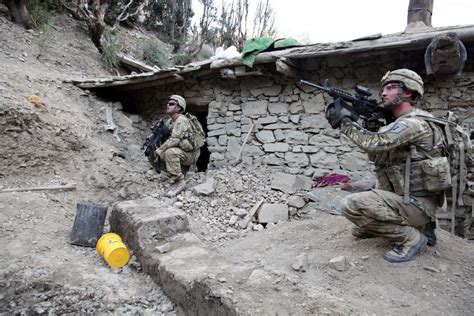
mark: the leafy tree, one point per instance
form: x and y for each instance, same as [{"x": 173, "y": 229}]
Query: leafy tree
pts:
[
  {"x": 202, "y": 33},
  {"x": 125, "y": 11},
  {"x": 228, "y": 25},
  {"x": 93, "y": 13},
  {"x": 172, "y": 20}
]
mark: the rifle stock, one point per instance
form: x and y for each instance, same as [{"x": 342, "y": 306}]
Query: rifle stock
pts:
[{"x": 153, "y": 142}]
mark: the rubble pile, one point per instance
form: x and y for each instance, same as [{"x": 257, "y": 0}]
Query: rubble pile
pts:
[{"x": 232, "y": 192}]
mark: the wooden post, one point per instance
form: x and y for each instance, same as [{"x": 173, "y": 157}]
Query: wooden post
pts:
[
  {"x": 243, "y": 145},
  {"x": 244, "y": 222}
]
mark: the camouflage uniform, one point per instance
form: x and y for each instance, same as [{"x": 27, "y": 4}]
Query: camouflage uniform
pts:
[
  {"x": 177, "y": 150},
  {"x": 383, "y": 211}
]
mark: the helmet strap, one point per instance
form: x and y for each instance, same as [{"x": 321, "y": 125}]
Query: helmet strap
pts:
[{"x": 393, "y": 104}]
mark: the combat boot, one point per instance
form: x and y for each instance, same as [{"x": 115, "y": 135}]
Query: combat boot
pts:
[
  {"x": 361, "y": 233},
  {"x": 164, "y": 177},
  {"x": 176, "y": 189},
  {"x": 408, "y": 249},
  {"x": 429, "y": 232}
]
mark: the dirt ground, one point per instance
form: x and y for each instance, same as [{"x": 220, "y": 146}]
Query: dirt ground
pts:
[{"x": 63, "y": 141}]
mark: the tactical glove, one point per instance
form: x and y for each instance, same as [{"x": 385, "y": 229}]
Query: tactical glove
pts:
[{"x": 338, "y": 113}]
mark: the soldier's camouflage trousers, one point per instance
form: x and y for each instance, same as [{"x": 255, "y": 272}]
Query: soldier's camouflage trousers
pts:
[
  {"x": 174, "y": 159},
  {"x": 384, "y": 214}
]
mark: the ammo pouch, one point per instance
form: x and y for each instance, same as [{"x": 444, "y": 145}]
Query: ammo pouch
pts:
[
  {"x": 436, "y": 174},
  {"x": 426, "y": 176},
  {"x": 185, "y": 145}
]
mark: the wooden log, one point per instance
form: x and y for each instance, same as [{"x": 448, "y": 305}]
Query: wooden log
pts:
[
  {"x": 71, "y": 186},
  {"x": 137, "y": 86},
  {"x": 88, "y": 224},
  {"x": 130, "y": 62},
  {"x": 221, "y": 63},
  {"x": 237, "y": 159},
  {"x": 129, "y": 80},
  {"x": 244, "y": 222},
  {"x": 284, "y": 68}
]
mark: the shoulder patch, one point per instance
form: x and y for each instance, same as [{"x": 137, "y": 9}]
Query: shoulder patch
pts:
[{"x": 398, "y": 128}]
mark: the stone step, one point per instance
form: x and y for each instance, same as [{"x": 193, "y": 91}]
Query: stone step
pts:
[{"x": 198, "y": 280}]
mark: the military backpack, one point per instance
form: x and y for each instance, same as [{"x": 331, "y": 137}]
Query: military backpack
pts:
[
  {"x": 452, "y": 174},
  {"x": 198, "y": 136}
]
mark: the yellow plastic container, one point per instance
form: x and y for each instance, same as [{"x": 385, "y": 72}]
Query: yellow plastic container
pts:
[{"x": 113, "y": 250}]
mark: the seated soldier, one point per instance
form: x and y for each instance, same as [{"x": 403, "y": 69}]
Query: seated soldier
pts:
[{"x": 178, "y": 150}]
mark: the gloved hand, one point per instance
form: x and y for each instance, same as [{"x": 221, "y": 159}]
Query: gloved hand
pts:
[{"x": 337, "y": 114}]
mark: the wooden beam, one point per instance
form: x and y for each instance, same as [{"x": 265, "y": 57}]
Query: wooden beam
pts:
[
  {"x": 220, "y": 63},
  {"x": 136, "y": 86},
  {"x": 71, "y": 186},
  {"x": 237, "y": 159},
  {"x": 244, "y": 222},
  {"x": 284, "y": 68},
  {"x": 131, "y": 62},
  {"x": 108, "y": 83}
]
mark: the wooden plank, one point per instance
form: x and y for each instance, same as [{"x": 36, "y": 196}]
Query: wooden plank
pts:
[
  {"x": 132, "y": 62},
  {"x": 220, "y": 63},
  {"x": 237, "y": 159},
  {"x": 244, "y": 222},
  {"x": 136, "y": 86},
  {"x": 71, "y": 186},
  {"x": 131, "y": 81}
]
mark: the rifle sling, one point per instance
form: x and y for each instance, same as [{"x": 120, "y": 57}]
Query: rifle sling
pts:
[{"x": 406, "y": 192}]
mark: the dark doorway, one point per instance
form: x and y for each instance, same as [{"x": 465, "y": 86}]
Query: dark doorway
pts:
[{"x": 203, "y": 160}]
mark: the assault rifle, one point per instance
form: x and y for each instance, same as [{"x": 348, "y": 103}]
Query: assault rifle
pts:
[
  {"x": 372, "y": 115},
  {"x": 159, "y": 131}
]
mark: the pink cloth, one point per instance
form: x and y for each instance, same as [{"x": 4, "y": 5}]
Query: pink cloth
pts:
[{"x": 331, "y": 179}]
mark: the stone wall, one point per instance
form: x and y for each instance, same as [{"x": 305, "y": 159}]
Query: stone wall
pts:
[{"x": 290, "y": 131}]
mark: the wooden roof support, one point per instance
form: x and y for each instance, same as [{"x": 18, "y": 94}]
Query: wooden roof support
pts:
[
  {"x": 136, "y": 86},
  {"x": 134, "y": 64},
  {"x": 286, "y": 67},
  {"x": 141, "y": 78}
]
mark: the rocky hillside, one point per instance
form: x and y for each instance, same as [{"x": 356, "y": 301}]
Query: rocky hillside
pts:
[{"x": 55, "y": 134}]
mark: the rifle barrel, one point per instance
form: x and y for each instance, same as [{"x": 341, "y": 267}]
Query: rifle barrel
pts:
[{"x": 308, "y": 83}]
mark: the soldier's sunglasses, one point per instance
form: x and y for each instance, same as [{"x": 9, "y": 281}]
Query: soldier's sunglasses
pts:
[{"x": 391, "y": 87}]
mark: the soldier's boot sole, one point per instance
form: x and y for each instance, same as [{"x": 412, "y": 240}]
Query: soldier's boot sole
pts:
[
  {"x": 408, "y": 250},
  {"x": 430, "y": 232}
]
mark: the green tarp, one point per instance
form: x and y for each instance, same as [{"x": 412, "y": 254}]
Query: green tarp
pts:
[{"x": 257, "y": 45}]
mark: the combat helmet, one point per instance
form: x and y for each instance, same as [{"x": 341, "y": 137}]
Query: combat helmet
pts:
[
  {"x": 408, "y": 77},
  {"x": 181, "y": 101}
]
